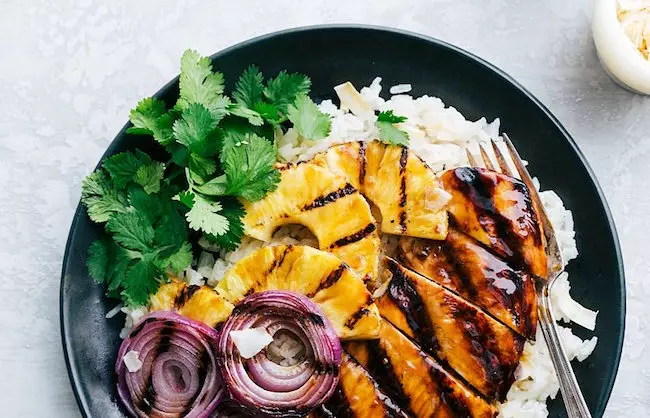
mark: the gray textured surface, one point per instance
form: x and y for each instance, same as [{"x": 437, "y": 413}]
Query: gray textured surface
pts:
[{"x": 70, "y": 71}]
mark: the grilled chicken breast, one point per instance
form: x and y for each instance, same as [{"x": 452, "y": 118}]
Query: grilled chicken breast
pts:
[
  {"x": 480, "y": 349},
  {"x": 319, "y": 275},
  {"x": 497, "y": 210},
  {"x": 406, "y": 191},
  {"x": 358, "y": 396},
  {"x": 201, "y": 303},
  {"x": 327, "y": 204},
  {"x": 417, "y": 383},
  {"x": 461, "y": 264}
]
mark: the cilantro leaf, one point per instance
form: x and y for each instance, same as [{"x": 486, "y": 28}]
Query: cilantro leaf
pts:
[
  {"x": 149, "y": 177},
  {"x": 171, "y": 232},
  {"x": 100, "y": 197},
  {"x": 123, "y": 167},
  {"x": 389, "y": 117},
  {"x": 215, "y": 187},
  {"x": 250, "y": 167},
  {"x": 186, "y": 198},
  {"x": 205, "y": 216},
  {"x": 249, "y": 87},
  {"x": 150, "y": 117},
  {"x": 388, "y": 133},
  {"x": 142, "y": 280},
  {"x": 132, "y": 230},
  {"x": 242, "y": 111},
  {"x": 119, "y": 262},
  {"x": 199, "y": 84},
  {"x": 201, "y": 167},
  {"x": 268, "y": 112},
  {"x": 311, "y": 123},
  {"x": 234, "y": 211},
  {"x": 97, "y": 261},
  {"x": 151, "y": 205},
  {"x": 181, "y": 259},
  {"x": 196, "y": 130},
  {"x": 282, "y": 90}
]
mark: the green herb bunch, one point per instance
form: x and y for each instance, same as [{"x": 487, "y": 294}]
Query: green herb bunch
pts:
[{"x": 219, "y": 152}]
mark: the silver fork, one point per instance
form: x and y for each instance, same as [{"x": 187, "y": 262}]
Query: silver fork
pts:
[{"x": 574, "y": 402}]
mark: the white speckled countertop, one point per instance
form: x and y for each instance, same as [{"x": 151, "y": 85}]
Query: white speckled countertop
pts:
[{"x": 71, "y": 70}]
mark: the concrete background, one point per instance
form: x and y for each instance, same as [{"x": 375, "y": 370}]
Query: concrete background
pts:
[{"x": 71, "y": 70}]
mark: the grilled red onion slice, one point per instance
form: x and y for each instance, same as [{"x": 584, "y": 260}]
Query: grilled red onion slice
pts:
[
  {"x": 262, "y": 385},
  {"x": 179, "y": 376}
]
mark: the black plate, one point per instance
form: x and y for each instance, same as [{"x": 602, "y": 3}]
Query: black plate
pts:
[{"x": 331, "y": 55}]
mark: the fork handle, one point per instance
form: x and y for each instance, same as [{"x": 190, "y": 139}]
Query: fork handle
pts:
[{"x": 574, "y": 402}]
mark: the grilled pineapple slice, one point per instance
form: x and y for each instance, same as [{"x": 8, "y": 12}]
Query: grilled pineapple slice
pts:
[
  {"x": 201, "y": 303},
  {"x": 321, "y": 276},
  {"x": 406, "y": 191},
  {"x": 480, "y": 349},
  {"x": 335, "y": 212}
]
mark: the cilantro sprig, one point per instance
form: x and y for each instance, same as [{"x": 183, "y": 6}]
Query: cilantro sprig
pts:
[
  {"x": 220, "y": 153},
  {"x": 388, "y": 132},
  {"x": 146, "y": 229}
]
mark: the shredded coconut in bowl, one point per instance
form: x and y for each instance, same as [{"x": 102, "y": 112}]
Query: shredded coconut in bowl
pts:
[{"x": 439, "y": 135}]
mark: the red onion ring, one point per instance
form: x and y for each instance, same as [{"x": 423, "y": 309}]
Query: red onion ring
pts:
[
  {"x": 179, "y": 376},
  {"x": 259, "y": 384}
]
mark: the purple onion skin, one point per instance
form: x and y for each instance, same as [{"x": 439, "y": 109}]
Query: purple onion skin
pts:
[
  {"x": 291, "y": 391},
  {"x": 179, "y": 376}
]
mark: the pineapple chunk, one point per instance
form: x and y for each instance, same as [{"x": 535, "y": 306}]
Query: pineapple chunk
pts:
[
  {"x": 406, "y": 191},
  {"x": 333, "y": 209},
  {"x": 321, "y": 276},
  {"x": 200, "y": 303}
]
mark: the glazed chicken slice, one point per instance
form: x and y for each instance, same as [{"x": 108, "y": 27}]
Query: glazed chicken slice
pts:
[
  {"x": 406, "y": 191},
  {"x": 462, "y": 265},
  {"x": 358, "y": 395},
  {"x": 419, "y": 385},
  {"x": 479, "y": 348},
  {"x": 497, "y": 210}
]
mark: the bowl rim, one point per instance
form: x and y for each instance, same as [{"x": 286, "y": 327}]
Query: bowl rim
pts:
[{"x": 609, "y": 383}]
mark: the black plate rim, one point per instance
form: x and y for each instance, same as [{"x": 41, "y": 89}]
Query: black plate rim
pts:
[{"x": 72, "y": 369}]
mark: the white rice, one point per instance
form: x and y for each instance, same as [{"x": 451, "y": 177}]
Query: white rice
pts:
[{"x": 439, "y": 135}]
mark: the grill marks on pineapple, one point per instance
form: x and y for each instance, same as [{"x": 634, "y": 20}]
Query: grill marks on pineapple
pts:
[
  {"x": 403, "y": 161},
  {"x": 331, "y": 278},
  {"x": 355, "y": 237},
  {"x": 321, "y": 201},
  {"x": 277, "y": 262},
  {"x": 361, "y": 158},
  {"x": 185, "y": 295},
  {"x": 360, "y": 313}
]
